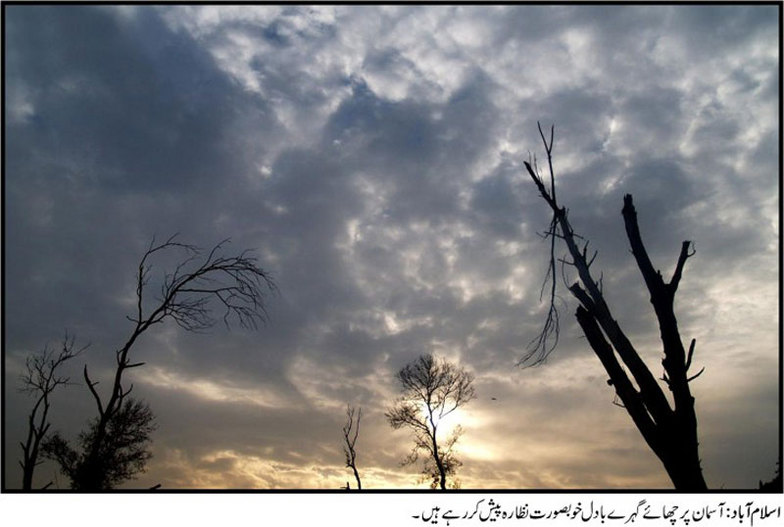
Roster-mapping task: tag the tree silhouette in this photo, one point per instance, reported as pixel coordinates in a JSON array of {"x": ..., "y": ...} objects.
[
  {"x": 187, "y": 295},
  {"x": 774, "y": 485},
  {"x": 124, "y": 449},
  {"x": 671, "y": 432},
  {"x": 432, "y": 389},
  {"x": 40, "y": 379},
  {"x": 350, "y": 440}
]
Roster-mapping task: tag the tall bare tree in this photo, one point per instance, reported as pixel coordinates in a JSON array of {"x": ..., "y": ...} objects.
[
  {"x": 670, "y": 431},
  {"x": 200, "y": 281},
  {"x": 350, "y": 440},
  {"x": 431, "y": 390},
  {"x": 41, "y": 378}
]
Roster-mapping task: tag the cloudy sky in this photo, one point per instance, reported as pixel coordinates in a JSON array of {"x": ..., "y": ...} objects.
[{"x": 372, "y": 159}]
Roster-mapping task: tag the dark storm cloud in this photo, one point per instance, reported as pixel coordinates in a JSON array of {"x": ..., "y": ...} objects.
[
  {"x": 423, "y": 148},
  {"x": 122, "y": 135},
  {"x": 495, "y": 200},
  {"x": 372, "y": 158},
  {"x": 153, "y": 117}
]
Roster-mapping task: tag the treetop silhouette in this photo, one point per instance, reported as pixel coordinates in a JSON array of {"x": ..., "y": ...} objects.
[
  {"x": 113, "y": 447},
  {"x": 432, "y": 389}
]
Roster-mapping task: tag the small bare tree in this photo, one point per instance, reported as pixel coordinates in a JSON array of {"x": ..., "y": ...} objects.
[
  {"x": 40, "y": 379},
  {"x": 671, "y": 432},
  {"x": 187, "y": 295},
  {"x": 432, "y": 389},
  {"x": 350, "y": 440}
]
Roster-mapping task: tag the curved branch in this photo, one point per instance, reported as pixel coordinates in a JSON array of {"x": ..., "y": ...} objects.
[{"x": 91, "y": 386}]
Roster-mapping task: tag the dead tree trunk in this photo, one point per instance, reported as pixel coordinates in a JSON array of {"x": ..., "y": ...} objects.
[
  {"x": 351, "y": 441},
  {"x": 670, "y": 431}
]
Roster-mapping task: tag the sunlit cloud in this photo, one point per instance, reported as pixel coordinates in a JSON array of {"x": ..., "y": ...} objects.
[{"x": 204, "y": 388}]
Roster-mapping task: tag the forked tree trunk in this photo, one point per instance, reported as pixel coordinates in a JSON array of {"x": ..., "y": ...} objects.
[{"x": 670, "y": 431}]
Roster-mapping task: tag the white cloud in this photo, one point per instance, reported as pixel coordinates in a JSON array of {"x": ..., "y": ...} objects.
[{"x": 205, "y": 388}]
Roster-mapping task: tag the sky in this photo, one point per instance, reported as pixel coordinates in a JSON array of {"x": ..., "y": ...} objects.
[{"x": 372, "y": 158}]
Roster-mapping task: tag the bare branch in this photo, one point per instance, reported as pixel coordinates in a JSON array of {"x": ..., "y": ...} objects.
[
  {"x": 691, "y": 353},
  {"x": 670, "y": 432},
  {"x": 696, "y": 375},
  {"x": 91, "y": 385},
  {"x": 653, "y": 278},
  {"x": 41, "y": 378},
  {"x": 549, "y": 149},
  {"x": 199, "y": 282},
  {"x": 684, "y": 255}
]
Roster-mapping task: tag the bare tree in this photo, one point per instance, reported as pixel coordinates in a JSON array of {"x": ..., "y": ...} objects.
[
  {"x": 671, "y": 432},
  {"x": 432, "y": 389},
  {"x": 187, "y": 295},
  {"x": 350, "y": 440},
  {"x": 40, "y": 379}
]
